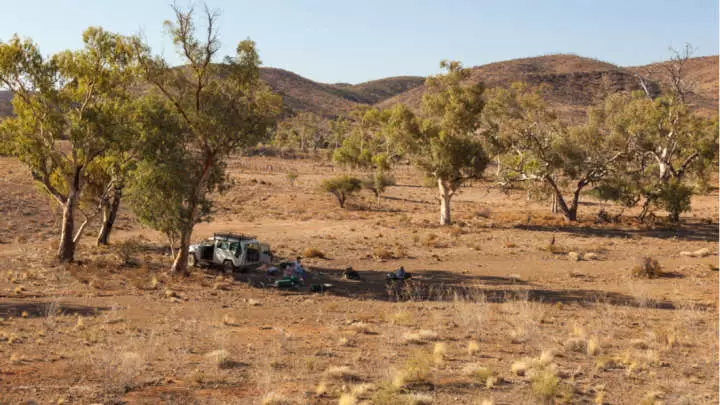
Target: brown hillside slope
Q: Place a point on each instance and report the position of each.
(301, 94)
(701, 73)
(575, 81)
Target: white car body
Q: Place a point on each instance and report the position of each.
(232, 251)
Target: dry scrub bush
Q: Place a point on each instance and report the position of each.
(313, 253)
(402, 317)
(220, 358)
(420, 337)
(439, 352)
(347, 399)
(473, 347)
(343, 373)
(418, 398)
(117, 372)
(417, 369)
(273, 398)
(545, 384)
(381, 253)
(483, 375)
(647, 268)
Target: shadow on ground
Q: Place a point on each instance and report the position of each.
(44, 309)
(443, 285)
(691, 231)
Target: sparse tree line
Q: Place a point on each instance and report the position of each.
(112, 122)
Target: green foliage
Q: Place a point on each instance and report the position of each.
(667, 146)
(535, 146)
(222, 108)
(341, 187)
(292, 176)
(69, 114)
(378, 182)
(443, 143)
(158, 186)
(675, 198)
(303, 131)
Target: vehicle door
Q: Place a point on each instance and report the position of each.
(222, 251)
(236, 248)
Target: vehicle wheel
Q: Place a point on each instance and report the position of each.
(228, 266)
(192, 260)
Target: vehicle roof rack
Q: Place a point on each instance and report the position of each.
(231, 235)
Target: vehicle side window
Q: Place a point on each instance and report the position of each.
(235, 246)
(223, 244)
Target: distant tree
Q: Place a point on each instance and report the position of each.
(339, 129)
(370, 147)
(68, 115)
(444, 143)
(377, 182)
(223, 108)
(342, 187)
(669, 145)
(303, 131)
(537, 147)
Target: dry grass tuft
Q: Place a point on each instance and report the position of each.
(647, 268)
(402, 317)
(420, 337)
(361, 327)
(273, 398)
(347, 399)
(382, 253)
(439, 352)
(417, 369)
(321, 389)
(418, 398)
(313, 253)
(484, 375)
(221, 358)
(593, 347)
(473, 347)
(343, 373)
(545, 383)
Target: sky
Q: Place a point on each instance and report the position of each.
(354, 41)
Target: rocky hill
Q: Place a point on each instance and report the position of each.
(575, 82)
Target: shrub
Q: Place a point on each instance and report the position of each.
(292, 176)
(221, 358)
(342, 187)
(648, 267)
(545, 384)
(312, 253)
(343, 373)
(378, 183)
(273, 398)
(417, 368)
(381, 253)
(675, 198)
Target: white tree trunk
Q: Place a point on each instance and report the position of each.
(445, 195)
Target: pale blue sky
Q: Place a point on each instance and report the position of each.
(354, 41)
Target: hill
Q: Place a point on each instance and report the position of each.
(575, 82)
(331, 100)
(702, 75)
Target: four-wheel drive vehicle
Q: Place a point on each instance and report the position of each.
(232, 251)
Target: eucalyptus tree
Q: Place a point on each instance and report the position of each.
(223, 107)
(443, 142)
(68, 112)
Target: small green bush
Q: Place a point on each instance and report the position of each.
(342, 187)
